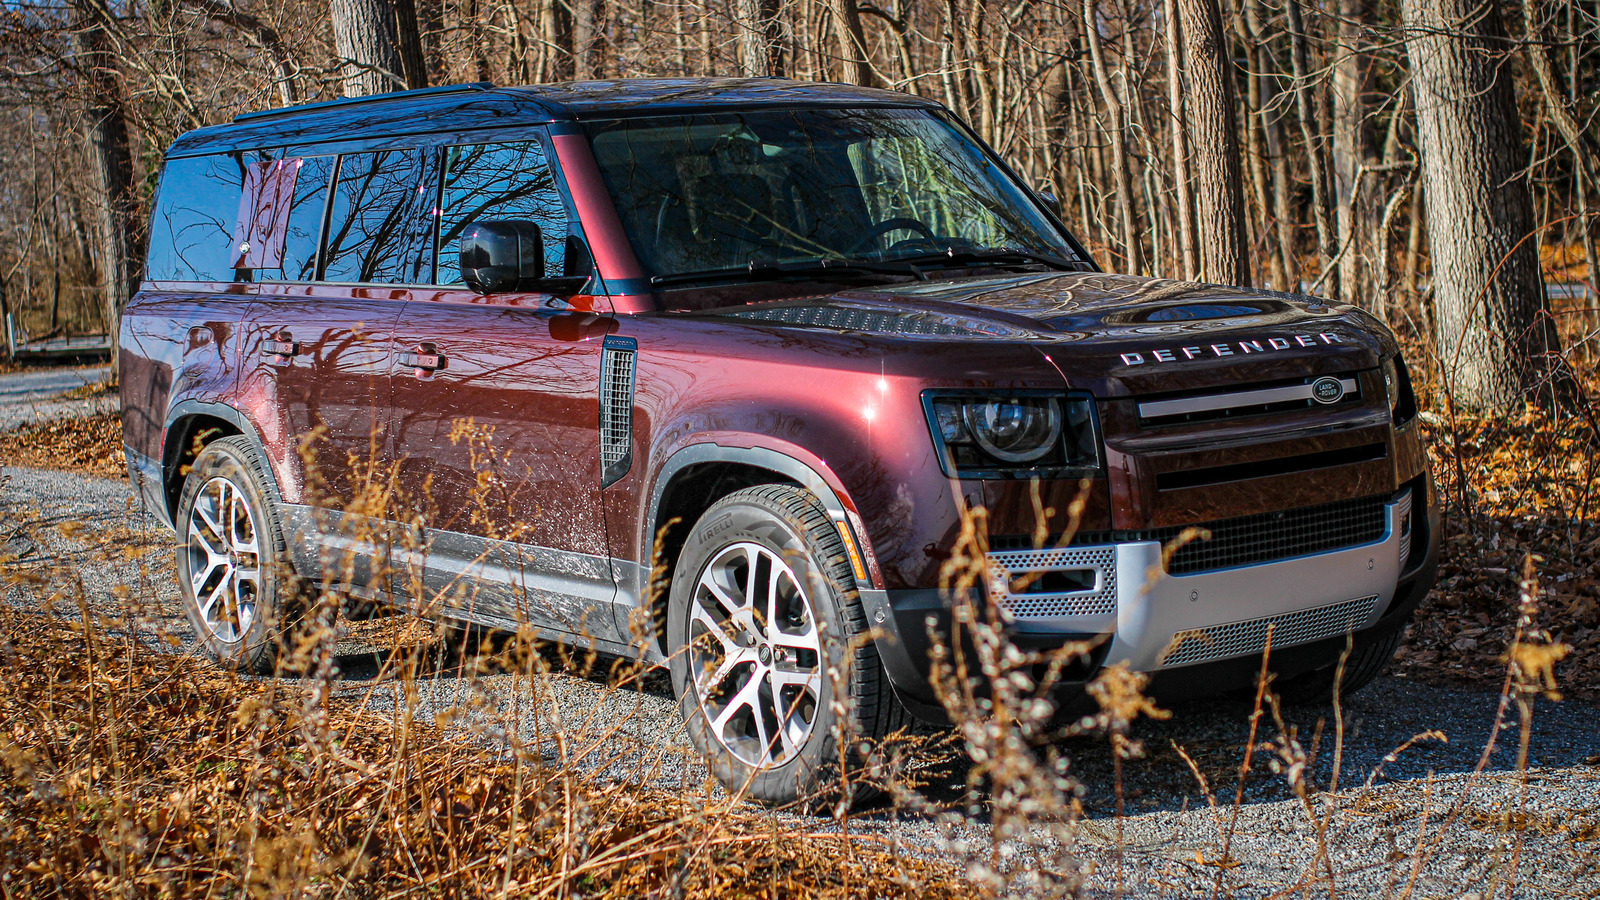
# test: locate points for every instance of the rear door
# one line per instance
(496, 418)
(320, 344)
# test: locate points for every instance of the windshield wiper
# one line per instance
(954, 257)
(759, 269)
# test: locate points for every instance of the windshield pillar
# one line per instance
(614, 258)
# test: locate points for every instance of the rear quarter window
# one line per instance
(191, 230)
(303, 231)
(378, 227)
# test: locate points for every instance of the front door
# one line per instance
(496, 412)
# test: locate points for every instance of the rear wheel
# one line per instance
(238, 588)
(771, 657)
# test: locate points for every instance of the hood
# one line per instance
(1138, 335)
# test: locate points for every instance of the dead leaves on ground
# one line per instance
(87, 446)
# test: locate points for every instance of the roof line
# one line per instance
(370, 98)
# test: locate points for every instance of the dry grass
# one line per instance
(130, 770)
(1517, 486)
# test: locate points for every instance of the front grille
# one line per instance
(1268, 468)
(616, 409)
(1248, 540)
(1254, 400)
(1288, 629)
(1018, 582)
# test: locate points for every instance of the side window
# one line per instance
(191, 231)
(303, 232)
(377, 226)
(500, 181)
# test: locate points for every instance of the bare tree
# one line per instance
(1219, 198)
(117, 212)
(1353, 193)
(760, 36)
(364, 35)
(1488, 292)
(853, 52)
(1127, 209)
(1182, 175)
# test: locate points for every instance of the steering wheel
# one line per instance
(897, 223)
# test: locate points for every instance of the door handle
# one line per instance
(280, 349)
(423, 360)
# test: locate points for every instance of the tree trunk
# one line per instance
(1182, 175)
(5, 324)
(1117, 132)
(853, 54)
(1309, 134)
(1488, 294)
(587, 17)
(369, 50)
(1219, 200)
(408, 40)
(760, 54)
(111, 161)
(430, 23)
(1354, 197)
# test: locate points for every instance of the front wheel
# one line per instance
(772, 660)
(1366, 661)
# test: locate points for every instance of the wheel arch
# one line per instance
(191, 425)
(697, 476)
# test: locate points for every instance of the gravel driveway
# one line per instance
(35, 395)
(1382, 826)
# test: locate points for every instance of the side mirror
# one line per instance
(498, 256)
(1050, 201)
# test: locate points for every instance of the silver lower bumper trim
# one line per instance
(1162, 621)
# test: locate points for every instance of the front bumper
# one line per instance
(1205, 623)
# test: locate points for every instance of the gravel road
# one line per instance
(36, 395)
(1507, 834)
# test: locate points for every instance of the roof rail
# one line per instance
(370, 98)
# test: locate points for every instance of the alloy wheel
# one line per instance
(223, 557)
(755, 654)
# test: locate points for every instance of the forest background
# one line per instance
(1298, 145)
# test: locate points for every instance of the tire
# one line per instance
(762, 676)
(1366, 662)
(238, 586)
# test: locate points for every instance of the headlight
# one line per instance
(1014, 430)
(1014, 434)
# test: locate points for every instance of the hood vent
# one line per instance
(843, 318)
(617, 365)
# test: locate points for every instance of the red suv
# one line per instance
(796, 332)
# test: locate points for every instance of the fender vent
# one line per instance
(616, 409)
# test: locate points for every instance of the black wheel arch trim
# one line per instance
(800, 473)
(171, 451)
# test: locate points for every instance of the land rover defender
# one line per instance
(793, 335)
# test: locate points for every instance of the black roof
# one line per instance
(470, 106)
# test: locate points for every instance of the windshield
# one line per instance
(741, 191)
